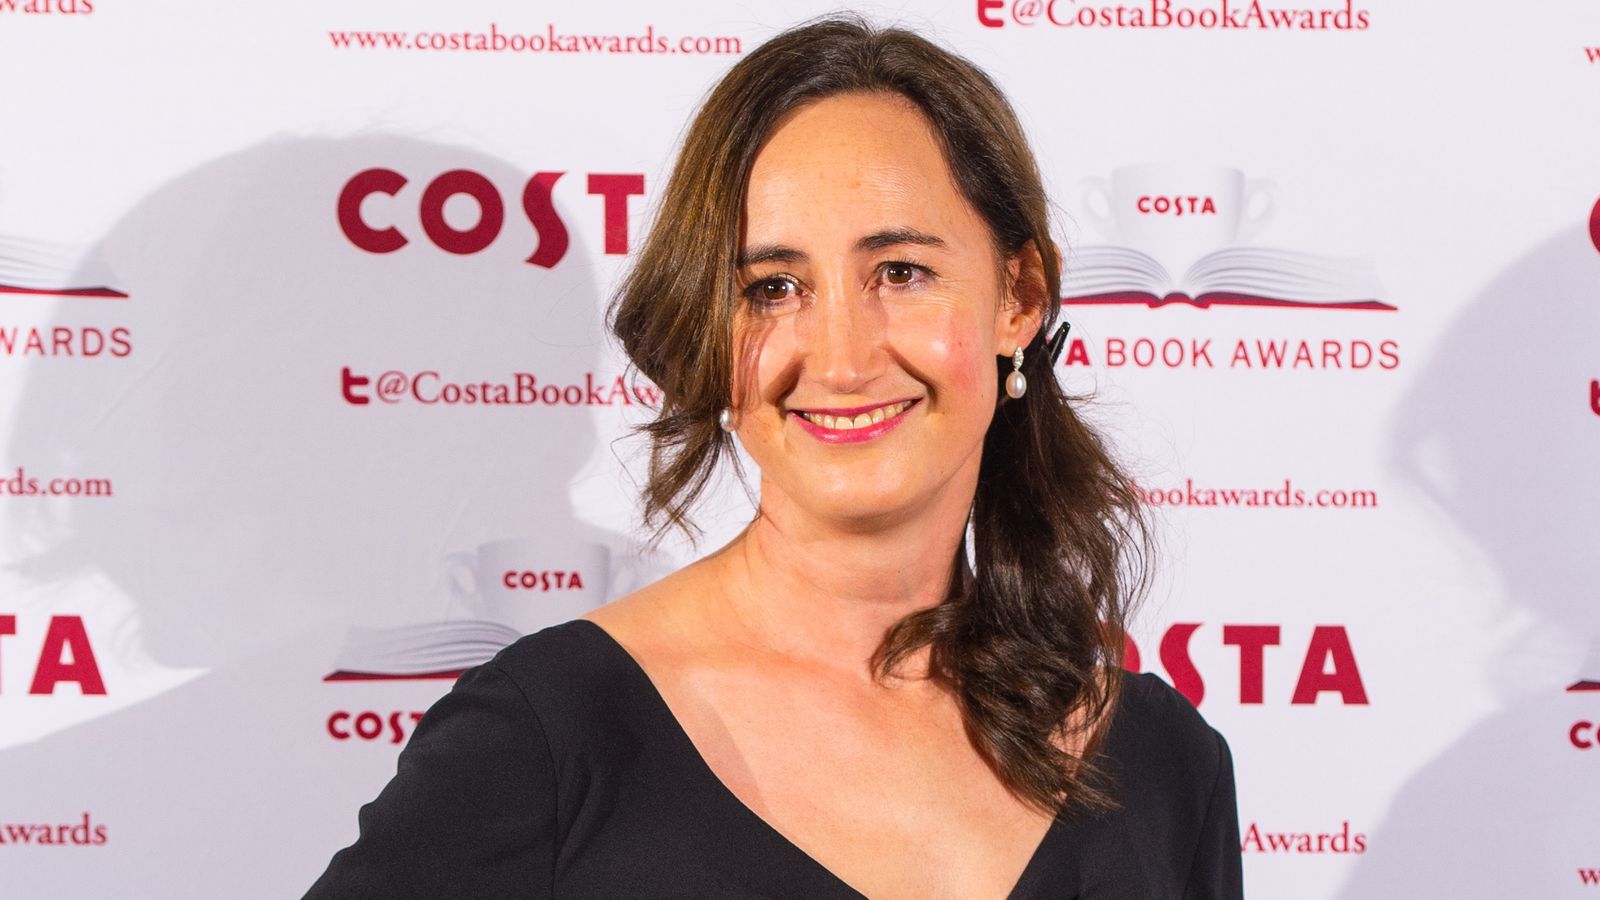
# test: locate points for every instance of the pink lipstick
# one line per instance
(853, 425)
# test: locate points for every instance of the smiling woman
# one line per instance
(852, 253)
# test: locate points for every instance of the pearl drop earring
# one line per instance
(725, 419)
(1016, 382)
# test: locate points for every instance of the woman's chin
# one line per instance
(863, 508)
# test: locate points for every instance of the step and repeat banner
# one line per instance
(305, 401)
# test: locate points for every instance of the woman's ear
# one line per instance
(1023, 308)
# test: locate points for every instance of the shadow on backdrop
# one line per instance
(1497, 435)
(257, 513)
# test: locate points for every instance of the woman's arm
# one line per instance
(1217, 872)
(470, 811)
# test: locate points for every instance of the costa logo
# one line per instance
(1261, 840)
(1328, 665)
(371, 726)
(543, 581)
(64, 655)
(382, 235)
(1594, 396)
(1186, 232)
(1176, 206)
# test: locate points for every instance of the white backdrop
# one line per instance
(1336, 292)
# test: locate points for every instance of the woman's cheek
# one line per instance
(754, 365)
(959, 360)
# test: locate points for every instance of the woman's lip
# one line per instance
(854, 435)
(851, 411)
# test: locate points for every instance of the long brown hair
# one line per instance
(1032, 638)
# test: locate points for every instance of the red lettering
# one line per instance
(1594, 214)
(369, 725)
(8, 625)
(1391, 355)
(357, 189)
(1252, 641)
(1180, 668)
(491, 211)
(1330, 643)
(1330, 353)
(1303, 355)
(1116, 353)
(1078, 355)
(1575, 732)
(1272, 353)
(64, 636)
(616, 189)
(335, 723)
(541, 211)
(1144, 353)
(1360, 354)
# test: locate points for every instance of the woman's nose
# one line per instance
(842, 341)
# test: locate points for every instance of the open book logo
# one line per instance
(422, 651)
(1179, 234)
(1590, 666)
(41, 269)
(496, 593)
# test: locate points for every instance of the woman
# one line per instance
(851, 272)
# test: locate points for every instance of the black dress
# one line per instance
(557, 770)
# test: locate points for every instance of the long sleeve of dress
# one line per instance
(470, 811)
(1217, 872)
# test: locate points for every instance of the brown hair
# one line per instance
(1032, 638)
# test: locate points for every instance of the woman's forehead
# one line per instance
(852, 162)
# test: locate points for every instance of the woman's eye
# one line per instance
(898, 273)
(770, 290)
(901, 273)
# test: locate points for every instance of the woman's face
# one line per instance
(873, 304)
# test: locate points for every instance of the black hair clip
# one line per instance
(1054, 345)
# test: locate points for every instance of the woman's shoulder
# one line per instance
(574, 677)
(570, 650)
(1159, 738)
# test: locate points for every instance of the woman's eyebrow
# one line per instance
(762, 253)
(890, 237)
(877, 240)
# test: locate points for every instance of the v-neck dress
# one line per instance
(556, 770)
